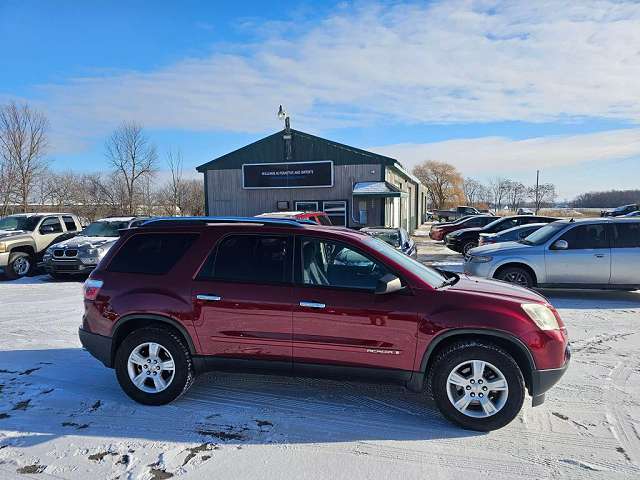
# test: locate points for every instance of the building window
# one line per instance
(336, 211)
(307, 206)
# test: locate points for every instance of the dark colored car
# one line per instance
(464, 240)
(396, 237)
(619, 211)
(175, 298)
(439, 231)
(509, 235)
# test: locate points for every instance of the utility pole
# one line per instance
(537, 190)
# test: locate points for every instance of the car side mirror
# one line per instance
(388, 284)
(406, 245)
(560, 245)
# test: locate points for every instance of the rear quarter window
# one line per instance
(151, 253)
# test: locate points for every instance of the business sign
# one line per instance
(288, 175)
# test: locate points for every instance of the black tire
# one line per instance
(468, 246)
(516, 275)
(184, 374)
(15, 266)
(457, 354)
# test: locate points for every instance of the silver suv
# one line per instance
(594, 253)
(80, 255)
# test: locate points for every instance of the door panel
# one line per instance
(248, 321)
(354, 328)
(625, 254)
(587, 260)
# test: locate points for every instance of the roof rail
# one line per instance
(177, 221)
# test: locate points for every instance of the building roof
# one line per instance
(306, 147)
(377, 189)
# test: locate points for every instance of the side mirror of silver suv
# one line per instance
(560, 245)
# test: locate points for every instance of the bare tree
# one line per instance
(174, 161)
(516, 193)
(499, 187)
(132, 157)
(472, 189)
(543, 195)
(23, 142)
(442, 180)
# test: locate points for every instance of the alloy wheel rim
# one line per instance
(151, 367)
(517, 277)
(21, 266)
(477, 389)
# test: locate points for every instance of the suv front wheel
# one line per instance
(153, 366)
(478, 386)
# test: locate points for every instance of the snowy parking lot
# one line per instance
(63, 415)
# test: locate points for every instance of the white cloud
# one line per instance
(453, 61)
(491, 154)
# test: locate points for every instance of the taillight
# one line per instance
(91, 289)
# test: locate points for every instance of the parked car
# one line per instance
(455, 213)
(177, 297)
(462, 241)
(80, 254)
(25, 237)
(524, 211)
(632, 214)
(321, 218)
(440, 230)
(510, 234)
(396, 237)
(619, 211)
(590, 253)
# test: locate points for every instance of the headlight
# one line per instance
(541, 315)
(3, 247)
(480, 259)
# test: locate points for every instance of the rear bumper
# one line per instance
(97, 345)
(543, 380)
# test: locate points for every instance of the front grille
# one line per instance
(72, 252)
(67, 267)
(58, 253)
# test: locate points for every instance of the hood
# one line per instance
(462, 231)
(11, 233)
(504, 247)
(87, 242)
(495, 289)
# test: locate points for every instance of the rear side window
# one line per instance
(587, 237)
(50, 225)
(324, 220)
(250, 259)
(69, 223)
(627, 235)
(151, 253)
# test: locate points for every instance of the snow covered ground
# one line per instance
(63, 415)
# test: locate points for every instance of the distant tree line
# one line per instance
(129, 186)
(608, 199)
(446, 188)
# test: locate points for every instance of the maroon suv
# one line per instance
(178, 297)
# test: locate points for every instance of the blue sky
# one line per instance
(496, 88)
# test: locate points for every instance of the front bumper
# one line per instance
(453, 243)
(543, 380)
(4, 259)
(97, 345)
(476, 269)
(68, 266)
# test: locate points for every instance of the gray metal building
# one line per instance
(299, 171)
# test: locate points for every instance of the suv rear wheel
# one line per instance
(153, 366)
(19, 265)
(478, 386)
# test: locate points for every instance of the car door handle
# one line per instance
(312, 304)
(598, 255)
(208, 298)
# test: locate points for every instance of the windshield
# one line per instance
(19, 223)
(428, 274)
(544, 234)
(392, 237)
(104, 229)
